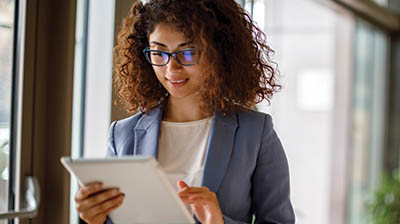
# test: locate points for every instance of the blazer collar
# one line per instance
(147, 133)
(219, 147)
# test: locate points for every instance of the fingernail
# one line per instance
(115, 192)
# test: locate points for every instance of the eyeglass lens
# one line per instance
(185, 57)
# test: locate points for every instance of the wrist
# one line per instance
(218, 220)
(222, 220)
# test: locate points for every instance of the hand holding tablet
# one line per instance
(94, 203)
(149, 197)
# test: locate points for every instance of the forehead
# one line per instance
(167, 35)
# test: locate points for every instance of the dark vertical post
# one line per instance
(392, 158)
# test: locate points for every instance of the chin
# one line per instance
(180, 95)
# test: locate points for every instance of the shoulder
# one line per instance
(128, 123)
(121, 136)
(141, 120)
(254, 118)
(254, 125)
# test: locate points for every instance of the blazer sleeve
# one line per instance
(271, 184)
(111, 151)
(228, 220)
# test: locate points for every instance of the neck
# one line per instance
(183, 110)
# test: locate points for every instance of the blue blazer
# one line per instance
(245, 162)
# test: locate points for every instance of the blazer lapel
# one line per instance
(146, 133)
(219, 150)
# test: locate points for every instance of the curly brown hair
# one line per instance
(239, 71)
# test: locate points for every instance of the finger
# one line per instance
(88, 184)
(199, 200)
(201, 194)
(198, 197)
(87, 190)
(108, 211)
(106, 206)
(91, 183)
(97, 199)
(182, 185)
(190, 190)
(187, 192)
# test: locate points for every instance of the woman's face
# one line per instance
(180, 81)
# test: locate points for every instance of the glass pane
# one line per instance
(80, 44)
(241, 2)
(310, 112)
(98, 102)
(381, 2)
(368, 111)
(247, 5)
(91, 70)
(6, 52)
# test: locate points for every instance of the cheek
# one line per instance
(159, 72)
(197, 73)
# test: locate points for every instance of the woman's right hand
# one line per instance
(94, 203)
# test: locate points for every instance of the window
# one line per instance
(382, 2)
(6, 56)
(330, 114)
(304, 112)
(92, 83)
(368, 116)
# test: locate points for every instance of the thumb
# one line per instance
(181, 184)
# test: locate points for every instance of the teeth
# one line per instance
(178, 81)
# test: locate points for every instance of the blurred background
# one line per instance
(338, 114)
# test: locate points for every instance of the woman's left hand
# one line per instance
(203, 202)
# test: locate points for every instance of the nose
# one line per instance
(173, 65)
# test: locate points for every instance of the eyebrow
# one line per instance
(163, 45)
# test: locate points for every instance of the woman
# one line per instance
(193, 69)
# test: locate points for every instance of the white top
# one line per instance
(182, 148)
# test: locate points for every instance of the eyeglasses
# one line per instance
(186, 57)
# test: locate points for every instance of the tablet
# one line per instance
(149, 197)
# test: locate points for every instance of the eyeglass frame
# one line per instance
(173, 54)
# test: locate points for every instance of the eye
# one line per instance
(157, 54)
(187, 55)
(188, 52)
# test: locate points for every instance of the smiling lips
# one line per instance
(177, 82)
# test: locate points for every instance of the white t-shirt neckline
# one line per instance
(185, 123)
